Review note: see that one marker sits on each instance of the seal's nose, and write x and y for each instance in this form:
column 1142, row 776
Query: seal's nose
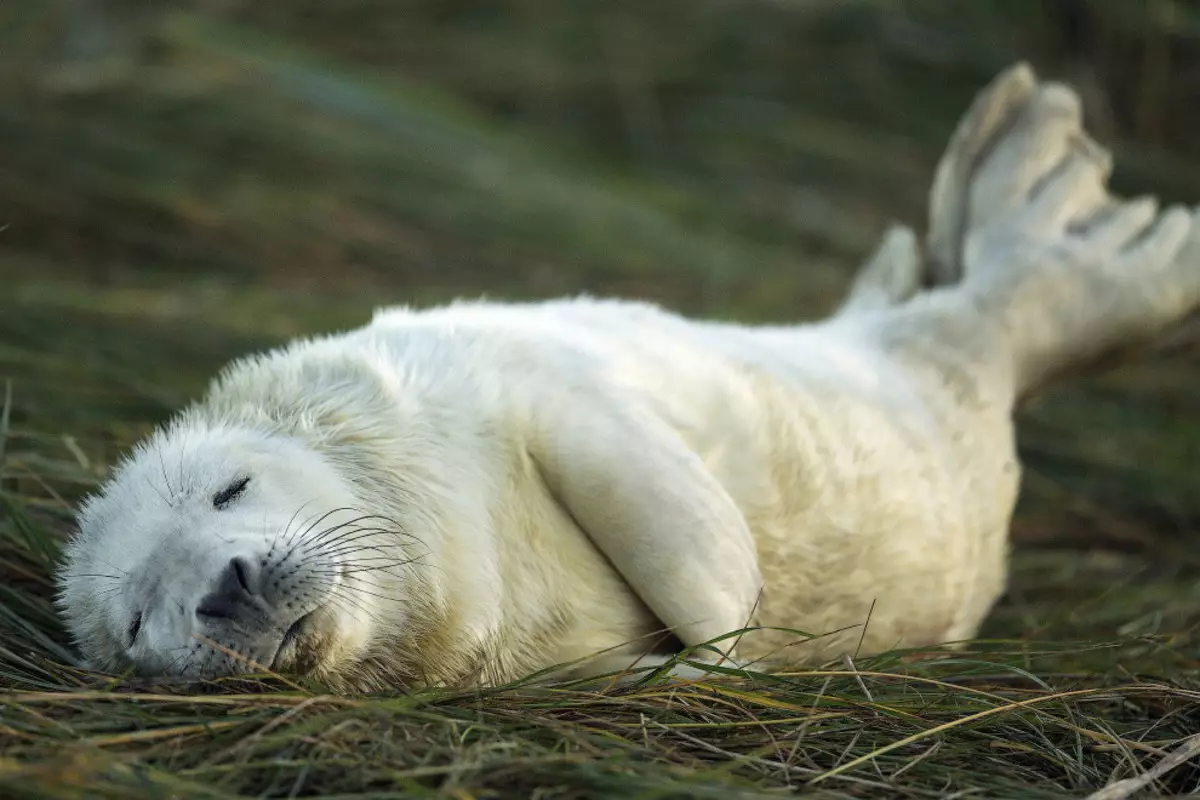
column 237, row 595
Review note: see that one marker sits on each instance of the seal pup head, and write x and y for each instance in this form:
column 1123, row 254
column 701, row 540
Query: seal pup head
column 221, row 549
column 289, row 521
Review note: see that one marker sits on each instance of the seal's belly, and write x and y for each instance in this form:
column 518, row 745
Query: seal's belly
column 855, row 516
column 868, row 499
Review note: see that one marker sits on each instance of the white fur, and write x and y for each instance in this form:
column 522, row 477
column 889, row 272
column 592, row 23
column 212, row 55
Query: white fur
column 842, row 463
column 562, row 479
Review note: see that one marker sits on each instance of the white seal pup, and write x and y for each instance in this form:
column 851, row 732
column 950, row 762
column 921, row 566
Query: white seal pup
column 473, row 492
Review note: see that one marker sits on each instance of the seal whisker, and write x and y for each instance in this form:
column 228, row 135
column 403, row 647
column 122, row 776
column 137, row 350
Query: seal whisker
column 360, row 555
column 352, row 535
column 301, row 533
column 360, row 575
column 162, row 464
column 182, row 463
column 391, row 525
column 384, row 569
column 304, row 537
column 351, row 568
column 317, row 519
column 362, row 594
column 350, row 548
column 111, row 591
column 157, row 491
column 284, row 531
column 397, row 527
column 289, row 534
column 344, row 528
column 351, row 604
column 310, row 537
column 374, row 562
column 356, row 589
column 93, row 575
column 366, row 555
column 112, row 566
column 344, row 550
column 346, row 538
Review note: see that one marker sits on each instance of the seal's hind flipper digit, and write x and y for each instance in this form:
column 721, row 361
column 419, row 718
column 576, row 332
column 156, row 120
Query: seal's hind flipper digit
column 891, row 276
column 985, row 122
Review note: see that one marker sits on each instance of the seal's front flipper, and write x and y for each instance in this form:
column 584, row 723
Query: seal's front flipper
column 652, row 507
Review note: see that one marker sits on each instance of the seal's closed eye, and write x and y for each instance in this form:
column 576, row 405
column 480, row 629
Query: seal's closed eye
column 230, row 493
column 134, row 627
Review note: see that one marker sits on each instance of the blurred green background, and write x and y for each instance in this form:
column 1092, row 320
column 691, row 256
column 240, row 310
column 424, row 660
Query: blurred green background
column 183, row 182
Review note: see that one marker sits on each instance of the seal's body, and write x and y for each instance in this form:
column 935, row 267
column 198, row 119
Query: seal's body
column 871, row 456
column 869, row 473
column 473, row 492
column 871, row 469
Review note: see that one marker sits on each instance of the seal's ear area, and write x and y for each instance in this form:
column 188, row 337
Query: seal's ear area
column 990, row 115
column 651, row 506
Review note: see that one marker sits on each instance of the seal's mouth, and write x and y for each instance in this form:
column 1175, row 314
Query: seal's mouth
column 287, row 647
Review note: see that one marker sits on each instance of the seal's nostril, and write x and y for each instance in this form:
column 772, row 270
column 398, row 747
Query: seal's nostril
column 236, row 594
column 134, row 628
column 213, row 608
column 239, row 579
column 240, row 572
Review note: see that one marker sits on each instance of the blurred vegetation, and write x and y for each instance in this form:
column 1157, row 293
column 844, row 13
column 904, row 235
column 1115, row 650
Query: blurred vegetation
column 184, row 182
column 682, row 148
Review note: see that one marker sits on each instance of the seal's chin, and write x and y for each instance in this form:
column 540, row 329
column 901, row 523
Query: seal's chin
column 287, row 657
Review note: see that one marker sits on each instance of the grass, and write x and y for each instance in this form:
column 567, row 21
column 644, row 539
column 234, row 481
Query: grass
column 179, row 187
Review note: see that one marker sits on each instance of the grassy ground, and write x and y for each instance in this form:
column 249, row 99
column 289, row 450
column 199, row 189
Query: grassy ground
column 180, row 187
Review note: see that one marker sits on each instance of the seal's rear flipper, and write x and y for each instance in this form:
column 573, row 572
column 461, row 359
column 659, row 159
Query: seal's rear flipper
column 1049, row 273
column 1071, row 273
column 897, row 270
column 981, row 128
column 889, row 277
